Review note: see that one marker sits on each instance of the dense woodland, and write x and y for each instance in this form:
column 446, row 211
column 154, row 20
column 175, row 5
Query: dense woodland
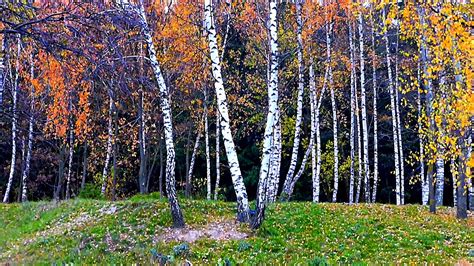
column 323, row 101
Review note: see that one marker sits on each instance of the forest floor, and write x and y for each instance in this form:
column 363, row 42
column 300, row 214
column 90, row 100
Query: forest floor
column 138, row 230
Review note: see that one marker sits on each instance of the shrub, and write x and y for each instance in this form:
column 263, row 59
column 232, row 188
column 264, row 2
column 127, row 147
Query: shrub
column 90, row 191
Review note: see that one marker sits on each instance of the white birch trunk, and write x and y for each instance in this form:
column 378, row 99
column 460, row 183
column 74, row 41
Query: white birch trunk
column 237, row 179
column 316, row 178
column 191, row 164
column 352, row 130
column 218, row 159
column 108, row 152
column 208, row 156
column 275, row 161
column 26, row 169
column 365, row 135
column 439, row 181
column 424, row 181
column 399, row 126
column 334, row 113
column 268, row 146
column 272, row 90
column 299, row 110
column 394, row 116
column 14, row 122
column 312, row 101
column 453, row 174
column 374, row 87
column 178, row 220
column 70, row 157
column 359, row 141
column 3, row 56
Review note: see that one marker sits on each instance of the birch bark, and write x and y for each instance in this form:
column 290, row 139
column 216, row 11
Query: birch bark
column 208, row 156
column 70, row 157
column 299, row 109
column 14, row 121
column 352, row 130
column 374, row 87
column 218, row 155
column 108, row 152
column 237, row 179
column 26, row 169
column 365, row 135
column 178, row 219
column 3, row 56
column 268, row 146
column 394, row 115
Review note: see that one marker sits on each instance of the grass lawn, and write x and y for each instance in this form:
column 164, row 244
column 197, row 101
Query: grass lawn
column 97, row 232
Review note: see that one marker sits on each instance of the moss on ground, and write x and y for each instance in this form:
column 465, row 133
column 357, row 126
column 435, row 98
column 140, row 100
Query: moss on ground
column 97, row 232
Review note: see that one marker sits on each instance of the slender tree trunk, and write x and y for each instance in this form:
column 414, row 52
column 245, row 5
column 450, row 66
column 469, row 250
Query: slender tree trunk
column 452, row 168
column 14, row 121
column 359, row 141
column 299, row 110
column 114, row 160
column 365, row 134
column 301, row 169
column 461, row 208
column 426, row 81
column 424, row 181
column 268, row 146
column 84, row 166
column 59, row 183
column 469, row 180
column 394, row 116
column 189, row 179
column 178, row 219
column 160, row 177
column 374, row 87
column 237, row 179
column 439, row 181
column 26, row 169
column 22, row 166
column 275, row 161
column 142, row 174
column 208, row 155
column 70, row 157
column 352, row 130
column 218, row 159
column 108, row 153
column 334, row 113
column 316, row 178
column 3, row 59
column 399, row 126
column 313, row 103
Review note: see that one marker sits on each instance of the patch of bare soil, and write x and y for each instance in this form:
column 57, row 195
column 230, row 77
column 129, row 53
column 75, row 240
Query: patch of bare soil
column 218, row 230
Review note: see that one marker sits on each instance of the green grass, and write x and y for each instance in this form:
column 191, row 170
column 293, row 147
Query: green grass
column 83, row 231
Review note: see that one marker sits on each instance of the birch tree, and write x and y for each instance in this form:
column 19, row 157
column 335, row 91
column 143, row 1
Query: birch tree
column 14, row 120
column 352, row 104
column 237, row 179
column 394, row 113
column 208, row 156
column 108, row 152
column 3, row 67
column 375, row 112
column 178, row 220
column 189, row 178
column 218, row 155
column 299, row 109
column 365, row 134
column 272, row 90
column 31, row 120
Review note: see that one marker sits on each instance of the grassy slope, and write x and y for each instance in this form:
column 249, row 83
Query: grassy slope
column 82, row 231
